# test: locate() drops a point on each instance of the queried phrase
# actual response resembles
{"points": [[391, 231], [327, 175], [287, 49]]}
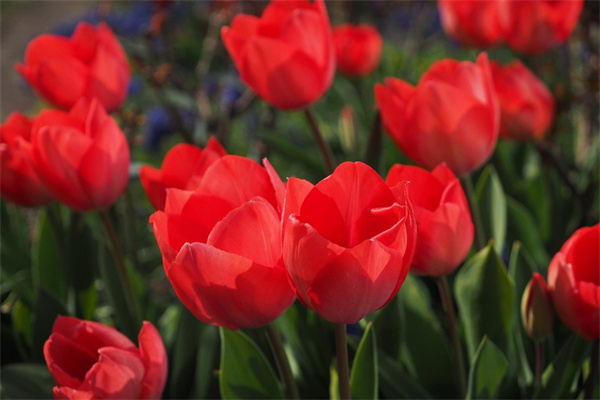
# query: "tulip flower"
{"points": [[221, 244], [533, 27], [82, 156], [574, 282], [536, 308], [19, 181], [89, 360], [286, 56], [451, 116], [182, 168], [89, 64], [348, 241], [444, 226], [473, 23], [357, 49], [526, 104]]}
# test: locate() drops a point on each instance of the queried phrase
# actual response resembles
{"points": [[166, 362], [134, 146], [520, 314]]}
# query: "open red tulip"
{"points": [[472, 22]]}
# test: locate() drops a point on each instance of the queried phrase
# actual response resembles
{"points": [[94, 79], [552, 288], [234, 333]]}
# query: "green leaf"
{"points": [[364, 375], [388, 323], [25, 381], [558, 377], [523, 227], [424, 340], [245, 372], [395, 383], [14, 241], [46, 309], [47, 263], [206, 361], [491, 203], [485, 295], [488, 369]]}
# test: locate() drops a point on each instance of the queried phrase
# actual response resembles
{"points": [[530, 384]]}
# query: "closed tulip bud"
{"points": [[574, 282], [357, 49], [182, 168], [19, 180], [536, 308], [526, 104], [471, 22], [346, 129], [90, 64], [287, 55], [89, 360], [452, 116]]}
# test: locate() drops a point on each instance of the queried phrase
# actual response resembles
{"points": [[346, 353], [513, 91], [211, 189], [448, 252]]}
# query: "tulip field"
{"points": [[311, 199]]}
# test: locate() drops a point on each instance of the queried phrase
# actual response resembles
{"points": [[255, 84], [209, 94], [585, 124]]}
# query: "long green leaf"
{"points": [[364, 380], [395, 383], [47, 265], [491, 203], [25, 381], [488, 369]]}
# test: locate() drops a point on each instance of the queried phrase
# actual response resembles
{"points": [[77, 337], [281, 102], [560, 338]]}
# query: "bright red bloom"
{"points": [[348, 242], [89, 360], [221, 244], [357, 49], [536, 308], [91, 63], [286, 56], [182, 168], [533, 27], [574, 282], [19, 182], [526, 104], [444, 226], [451, 116], [471, 22], [82, 156]]}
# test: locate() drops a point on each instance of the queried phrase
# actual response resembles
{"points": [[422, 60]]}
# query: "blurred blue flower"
{"points": [[158, 126]]}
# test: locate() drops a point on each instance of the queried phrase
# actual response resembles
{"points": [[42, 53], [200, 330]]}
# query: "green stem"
{"points": [[470, 193], [122, 271], [375, 145], [592, 379], [539, 362], [459, 364], [323, 147], [283, 365], [341, 349]]}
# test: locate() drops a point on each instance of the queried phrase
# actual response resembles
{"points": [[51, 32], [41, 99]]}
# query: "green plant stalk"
{"points": [[459, 363], [283, 365], [375, 144], [124, 277], [475, 216], [321, 143], [592, 379], [539, 362], [341, 350]]}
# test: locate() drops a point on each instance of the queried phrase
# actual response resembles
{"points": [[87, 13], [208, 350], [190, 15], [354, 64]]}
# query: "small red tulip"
{"points": [[472, 22], [526, 104], [451, 116], [82, 156], [444, 226], [89, 360], [357, 49], [574, 282], [533, 27], [286, 56], [89, 64], [19, 181], [536, 308], [348, 242], [221, 244], [182, 168]]}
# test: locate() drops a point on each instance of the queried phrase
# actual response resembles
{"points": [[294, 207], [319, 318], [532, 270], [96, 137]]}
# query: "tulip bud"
{"points": [[346, 127], [536, 308]]}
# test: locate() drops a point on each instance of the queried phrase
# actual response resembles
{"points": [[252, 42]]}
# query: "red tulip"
{"points": [[472, 22], [348, 242], [19, 181], [89, 360], [89, 64], [357, 49], [533, 27], [286, 56], [444, 226], [82, 156], [182, 168], [451, 116], [221, 244], [526, 105], [536, 308], [574, 282]]}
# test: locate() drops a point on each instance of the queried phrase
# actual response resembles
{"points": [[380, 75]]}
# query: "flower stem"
{"points": [[470, 193], [283, 365], [323, 147], [341, 349], [122, 271], [374, 146], [539, 361], [592, 379], [459, 363]]}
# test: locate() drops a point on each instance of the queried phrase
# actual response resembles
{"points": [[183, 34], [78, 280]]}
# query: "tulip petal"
{"points": [[68, 393], [90, 334], [68, 360], [235, 37], [109, 79], [154, 357], [425, 190], [278, 185], [310, 33], [296, 192], [46, 47]]}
